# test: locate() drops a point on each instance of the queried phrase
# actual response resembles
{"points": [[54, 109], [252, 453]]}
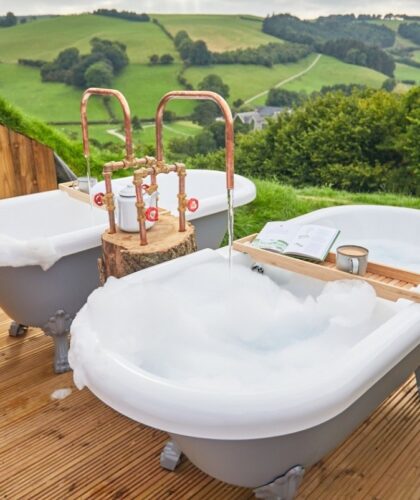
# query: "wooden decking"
{"points": [[79, 448]]}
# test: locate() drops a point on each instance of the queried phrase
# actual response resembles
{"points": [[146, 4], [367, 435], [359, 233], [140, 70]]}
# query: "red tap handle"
{"points": [[99, 199], [152, 214], [193, 204]]}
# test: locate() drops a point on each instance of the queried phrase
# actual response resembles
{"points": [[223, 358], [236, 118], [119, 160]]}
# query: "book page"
{"points": [[276, 236], [312, 241]]}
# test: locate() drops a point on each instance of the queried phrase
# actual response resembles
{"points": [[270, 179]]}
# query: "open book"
{"points": [[306, 241]]}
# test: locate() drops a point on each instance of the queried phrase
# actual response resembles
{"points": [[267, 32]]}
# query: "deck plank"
{"points": [[78, 448]]}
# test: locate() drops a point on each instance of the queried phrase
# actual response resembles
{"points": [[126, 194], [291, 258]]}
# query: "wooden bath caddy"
{"points": [[390, 283]]}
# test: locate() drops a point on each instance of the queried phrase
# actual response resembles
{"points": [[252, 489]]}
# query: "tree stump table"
{"points": [[122, 253]]}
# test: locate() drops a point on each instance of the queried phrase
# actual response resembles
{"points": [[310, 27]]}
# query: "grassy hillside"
{"points": [[246, 81], [45, 38], [22, 87], [218, 31], [142, 137], [144, 85], [405, 72], [330, 71]]}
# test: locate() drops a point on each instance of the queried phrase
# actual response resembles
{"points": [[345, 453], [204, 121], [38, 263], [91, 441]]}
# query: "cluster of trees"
{"points": [[206, 111], [410, 31], [367, 141], [355, 52], [344, 37], [264, 55], [33, 63], [8, 20], [285, 98], [192, 53], [293, 29], [197, 53], [96, 69], [123, 14], [163, 59]]}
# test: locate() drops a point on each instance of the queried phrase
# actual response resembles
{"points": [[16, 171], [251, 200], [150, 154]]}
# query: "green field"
{"points": [[416, 55], [219, 32], [330, 71], [144, 85], [142, 137], [22, 87], [247, 81], [45, 38], [405, 72]]}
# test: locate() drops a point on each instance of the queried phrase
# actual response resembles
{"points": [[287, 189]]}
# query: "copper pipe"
{"points": [[182, 197], [127, 119], [109, 201], [140, 211], [227, 114]]}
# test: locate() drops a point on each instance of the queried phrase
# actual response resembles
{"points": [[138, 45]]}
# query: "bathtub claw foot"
{"points": [[282, 488], [17, 330], [170, 456], [58, 328]]}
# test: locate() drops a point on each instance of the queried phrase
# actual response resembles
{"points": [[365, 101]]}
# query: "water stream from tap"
{"points": [[88, 175], [230, 223]]}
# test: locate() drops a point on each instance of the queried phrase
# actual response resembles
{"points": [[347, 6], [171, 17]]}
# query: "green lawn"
{"points": [[144, 85], [45, 38], [246, 81], [405, 72], [22, 87], [144, 136], [220, 32], [330, 71]]}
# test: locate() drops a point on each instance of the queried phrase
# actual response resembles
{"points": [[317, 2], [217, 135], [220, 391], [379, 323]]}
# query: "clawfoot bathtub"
{"points": [[262, 439]]}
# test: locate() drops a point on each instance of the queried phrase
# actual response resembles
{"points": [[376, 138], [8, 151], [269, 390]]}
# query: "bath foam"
{"points": [[18, 253], [227, 331]]}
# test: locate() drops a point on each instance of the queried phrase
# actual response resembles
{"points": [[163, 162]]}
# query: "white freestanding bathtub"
{"points": [[261, 439], [50, 243]]}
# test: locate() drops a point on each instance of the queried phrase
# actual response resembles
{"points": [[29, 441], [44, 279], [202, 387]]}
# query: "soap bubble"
{"points": [[235, 330]]}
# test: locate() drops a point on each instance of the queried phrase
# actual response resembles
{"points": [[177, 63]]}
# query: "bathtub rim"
{"points": [[244, 192], [188, 411]]}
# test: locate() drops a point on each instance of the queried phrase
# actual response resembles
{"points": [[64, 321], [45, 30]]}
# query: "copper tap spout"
{"points": [[127, 119], [227, 114]]}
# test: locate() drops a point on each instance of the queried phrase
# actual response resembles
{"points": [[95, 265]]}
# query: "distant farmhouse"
{"points": [[258, 117]]}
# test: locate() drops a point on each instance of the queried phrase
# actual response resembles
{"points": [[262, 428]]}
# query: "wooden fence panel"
{"points": [[26, 166]]}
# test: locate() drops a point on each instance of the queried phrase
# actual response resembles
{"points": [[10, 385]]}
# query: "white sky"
{"points": [[301, 8]]}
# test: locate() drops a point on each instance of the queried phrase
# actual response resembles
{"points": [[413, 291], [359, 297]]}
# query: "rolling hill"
{"points": [[220, 32], [144, 84]]}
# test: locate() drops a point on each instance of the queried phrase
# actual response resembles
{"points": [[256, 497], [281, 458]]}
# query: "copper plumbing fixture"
{"points": [[150, 165]]}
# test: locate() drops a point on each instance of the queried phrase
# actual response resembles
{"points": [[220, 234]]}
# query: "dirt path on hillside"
{"points": [[287, 80]]}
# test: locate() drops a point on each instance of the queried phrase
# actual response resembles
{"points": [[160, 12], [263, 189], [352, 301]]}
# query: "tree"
{"points": [[389, 84], [99, 74], [23, 20], [9, 20], [169, 116], [136, 123], [154, 59], [238, 103], [114, 52], [206, 112], [215, 84], [67, 58], [166, 59], [199, 54], [282, 97]]}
